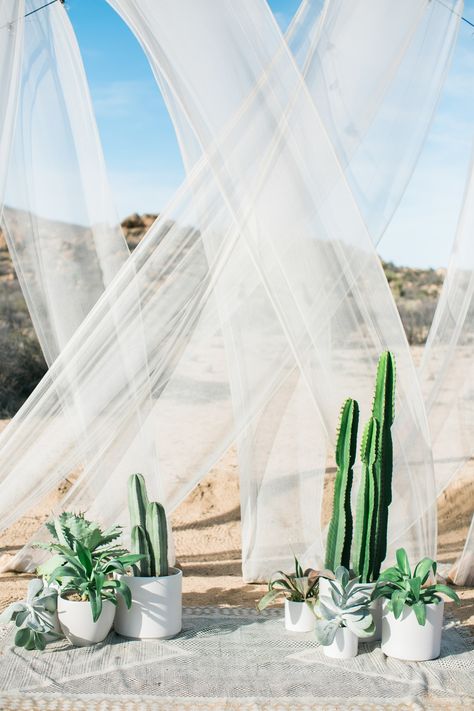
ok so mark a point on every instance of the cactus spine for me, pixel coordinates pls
(363, 555)
(339, 538)
(383, 410)
(149, 534)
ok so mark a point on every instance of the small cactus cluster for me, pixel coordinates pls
(375, 491)
(149, 533)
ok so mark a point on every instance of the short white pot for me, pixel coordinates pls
(406, 639)
(77, 625)
(299, 616)
(375, 607)
(156, 611)
(344, 646)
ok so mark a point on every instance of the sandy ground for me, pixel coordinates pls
(207, 535)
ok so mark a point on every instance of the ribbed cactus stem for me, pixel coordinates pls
(139, 544)
(157, 533)
(137, 500)
(363, 555)
(339, 538)
(383, 410)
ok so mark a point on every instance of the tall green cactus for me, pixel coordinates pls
(157, 533)
(363, 549)
(375, 492)
(137, 500)
(149, 534)
(139, 544)
(338, 545)
(383, 410)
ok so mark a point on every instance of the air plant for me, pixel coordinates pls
(401, 587)
(301, 586)
(35, 617)
(347, 606)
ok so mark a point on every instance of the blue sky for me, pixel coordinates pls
(143, 158)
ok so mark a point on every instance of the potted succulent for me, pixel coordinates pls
(36, 617)
(412, 610)
(156, 588)
(85, 560)
(300, 591)
(365, 543)
(344, 616)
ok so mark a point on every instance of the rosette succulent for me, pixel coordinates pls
(347, 606)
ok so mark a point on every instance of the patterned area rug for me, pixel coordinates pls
(228, 659)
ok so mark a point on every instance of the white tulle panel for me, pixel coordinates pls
(262, 302)
(61, 227)
(375, 72)
(11, 40)
(447, 369)
(277, 171)
(60, 224)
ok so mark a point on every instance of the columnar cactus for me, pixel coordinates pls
(364, 542)
(383, 410)
(338, 545)
(375, 492)
(149, 533)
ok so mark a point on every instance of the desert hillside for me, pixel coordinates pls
(416, 293)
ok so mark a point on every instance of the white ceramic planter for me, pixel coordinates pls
(77, 625)
(344, 646)
(156, 611)
(299, 616)
(406, 639)
(375, 608)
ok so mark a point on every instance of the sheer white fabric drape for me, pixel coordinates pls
(259, 291)
(11, 43)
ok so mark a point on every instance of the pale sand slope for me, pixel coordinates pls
(207, 532)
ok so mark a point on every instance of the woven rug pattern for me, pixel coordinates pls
(228, 658)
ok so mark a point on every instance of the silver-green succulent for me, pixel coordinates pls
(347, 606)
(35, 617)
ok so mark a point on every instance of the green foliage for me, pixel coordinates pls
(149, 531)
(300, 586)
(401, 587)
(35, 617)
(91, 578)
(69, 529)
(347, 606)
(338, 546)
(85, 560)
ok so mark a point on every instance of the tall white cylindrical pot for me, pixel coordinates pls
(406, 639)
(299, 616)
(375, 607)
(344, 646)
(77, 625)
(156, 611)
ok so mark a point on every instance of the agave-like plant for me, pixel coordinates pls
(402, 587)
(348, 606)
(68, 529)
(91, 578)
(35, 617)
(300, 586)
